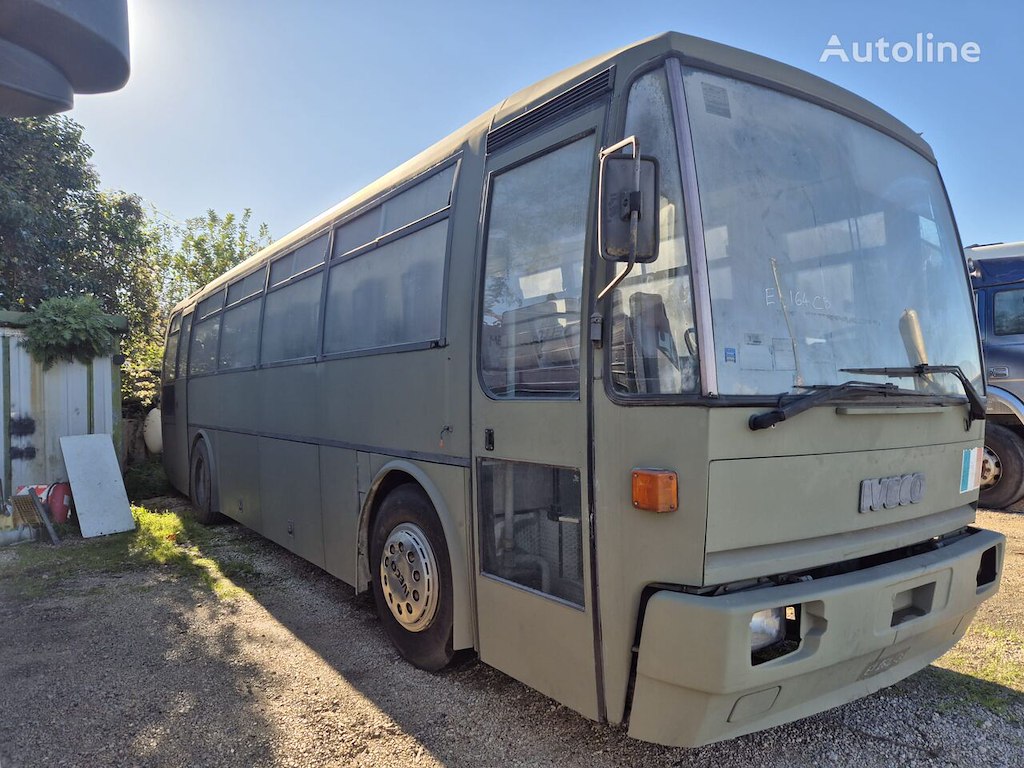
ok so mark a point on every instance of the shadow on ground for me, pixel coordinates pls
(144, 669)
(121, 673)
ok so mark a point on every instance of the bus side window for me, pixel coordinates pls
(239, 335)
(181, 366)
(202, 355)
(171, 350)
(389, 296)
(167, 399)
(290, 320)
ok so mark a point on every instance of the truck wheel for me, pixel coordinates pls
(1002, 468)
(201, 486)
(412, 578)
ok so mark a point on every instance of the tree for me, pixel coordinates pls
(207, 246)
(62, 237)
(46, 183)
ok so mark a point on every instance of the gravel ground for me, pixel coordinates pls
(146, 668)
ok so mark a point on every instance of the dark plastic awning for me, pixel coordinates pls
(52, 49)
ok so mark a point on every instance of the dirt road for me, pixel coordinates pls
(147, 666)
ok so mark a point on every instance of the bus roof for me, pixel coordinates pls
(694, 51)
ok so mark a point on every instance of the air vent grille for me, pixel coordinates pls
(563, 104)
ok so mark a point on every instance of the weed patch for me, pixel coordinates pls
(146, 480)
(163, 539)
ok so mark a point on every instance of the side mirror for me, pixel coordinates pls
(621, 197)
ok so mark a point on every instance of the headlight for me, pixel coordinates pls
(767, 627)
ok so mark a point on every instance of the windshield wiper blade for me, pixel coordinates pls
(976, 406)
(819, 396)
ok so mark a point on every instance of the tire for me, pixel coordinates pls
(1002, 473)
(200, 485)
(412, 580)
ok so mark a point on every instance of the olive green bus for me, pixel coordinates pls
(658, 385)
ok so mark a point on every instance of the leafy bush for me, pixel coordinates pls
(72, 328)
(140, 376)
(147, 480)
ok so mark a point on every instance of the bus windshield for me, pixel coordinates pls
(830, 245)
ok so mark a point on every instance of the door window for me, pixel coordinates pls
(530, 329)
(531, 527)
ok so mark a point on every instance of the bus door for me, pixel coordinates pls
(535, 609)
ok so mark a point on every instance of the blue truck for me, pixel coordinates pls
(997, 273)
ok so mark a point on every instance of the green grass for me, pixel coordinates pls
(162, 539)
(988, 660)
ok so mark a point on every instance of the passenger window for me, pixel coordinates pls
(202, 355)
(1008, 311)
(298, 261)
(531, 528)
(250, 285)
(238, 336)
(426, 197)
(171, 350)
(181, 366)
(210, 304)
(530, 329)
(388, 296)
(290, 320)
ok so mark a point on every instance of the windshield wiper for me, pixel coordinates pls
(976, 406)
(821, 395)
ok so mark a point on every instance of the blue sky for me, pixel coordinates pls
(287, 108)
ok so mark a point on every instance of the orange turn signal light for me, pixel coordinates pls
(656, 490)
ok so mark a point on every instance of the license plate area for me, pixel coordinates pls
(912, 603)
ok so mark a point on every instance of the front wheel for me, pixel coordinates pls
(412, 578)
(1002, 468)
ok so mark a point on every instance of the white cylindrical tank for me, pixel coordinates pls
(152, 432)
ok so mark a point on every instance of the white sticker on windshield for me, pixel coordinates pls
(755, 354)
(716, 100)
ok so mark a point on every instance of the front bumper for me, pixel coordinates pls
(695, 680)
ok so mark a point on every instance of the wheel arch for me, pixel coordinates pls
(1006, 407)
(399, 472)
(203, 435)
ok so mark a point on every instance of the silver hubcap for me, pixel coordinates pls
(991, 469)
(408, 577)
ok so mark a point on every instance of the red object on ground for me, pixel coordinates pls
(59, 501)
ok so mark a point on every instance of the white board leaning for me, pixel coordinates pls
(101, 502)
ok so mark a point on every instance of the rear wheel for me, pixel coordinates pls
(1002, 468)
(412, 581)
(201, 485)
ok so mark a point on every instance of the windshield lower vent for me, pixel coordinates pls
(563, 104)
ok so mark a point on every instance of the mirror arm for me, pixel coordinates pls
(634, 215)
(629, 268)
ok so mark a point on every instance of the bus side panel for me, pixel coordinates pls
(401, 402)
(290, 491)
(636, 548)
(290, 401)
(340, 509)
(237, 456)
(226, 401)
